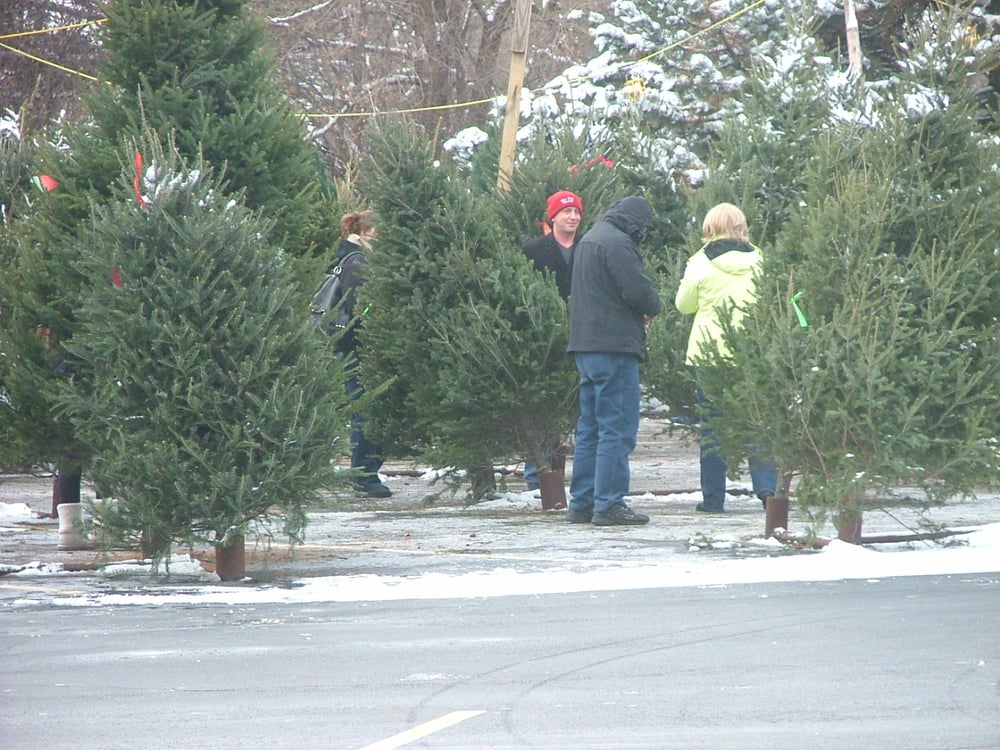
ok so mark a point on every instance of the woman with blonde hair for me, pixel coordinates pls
(719, 282)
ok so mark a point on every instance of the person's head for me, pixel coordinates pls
(725, 221)
(565, 212)
(359, 223)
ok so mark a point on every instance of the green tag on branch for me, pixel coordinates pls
(798, 311)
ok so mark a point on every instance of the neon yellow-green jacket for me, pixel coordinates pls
(719, 280)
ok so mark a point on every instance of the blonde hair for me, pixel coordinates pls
(356, 222)
(725, 221)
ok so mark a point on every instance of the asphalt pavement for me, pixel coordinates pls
(901, 664)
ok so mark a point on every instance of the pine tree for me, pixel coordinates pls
(212, 407)
(757, 164)
(890, 253)
(196, 71)
(549, 160)
(467, 339)
(24, 423)
(193, 73)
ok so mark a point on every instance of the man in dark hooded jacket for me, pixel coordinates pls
(610, 306)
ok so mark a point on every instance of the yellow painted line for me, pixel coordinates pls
(422, 730)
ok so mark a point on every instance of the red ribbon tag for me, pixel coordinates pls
(599, 159)
(47, 183)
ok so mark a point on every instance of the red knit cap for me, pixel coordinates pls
(563, 199)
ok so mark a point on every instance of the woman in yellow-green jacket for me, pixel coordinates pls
(720, 280)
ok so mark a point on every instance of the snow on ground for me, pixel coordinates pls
(426, 542)
(503, 547)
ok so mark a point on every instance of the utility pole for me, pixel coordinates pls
(515, 82)
(854, 67)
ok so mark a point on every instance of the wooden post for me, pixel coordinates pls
(854, 67)
(515, 81)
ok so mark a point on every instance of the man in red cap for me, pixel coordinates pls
(553, 252)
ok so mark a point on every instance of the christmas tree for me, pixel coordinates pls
(466, 339)
(887, 379)
(211, 406)
(192, 73)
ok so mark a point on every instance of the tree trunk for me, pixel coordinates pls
(483, 482)
(55, 496)
(231, 561)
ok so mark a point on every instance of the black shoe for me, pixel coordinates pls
(375, 490)
(619, 515)
(701, 508)
(579, 516)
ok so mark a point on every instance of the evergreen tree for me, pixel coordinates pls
(547, 161)
(467, 339)
(24, 423)
(891, 243)
(670, 63)
(211, 406)
(196, 71)
(188, 70)
(757, 165)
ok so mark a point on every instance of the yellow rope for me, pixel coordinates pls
(434, 108)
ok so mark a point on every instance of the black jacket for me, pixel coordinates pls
(351, 277)
(547, 255)
(611, 291)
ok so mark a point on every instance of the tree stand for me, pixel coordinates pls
(776, 516)
(849, 520)
(551, 481)
(231, 561)
(776, 506)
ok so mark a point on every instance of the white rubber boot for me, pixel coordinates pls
(71, 527)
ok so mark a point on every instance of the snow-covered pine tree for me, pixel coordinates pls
(563, 157)
(757, 164)
(212, 407)
(667, 76)
(469, 339)
(892, 243)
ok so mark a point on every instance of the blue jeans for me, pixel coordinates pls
(605, 431)
(531, 471)
(530, 474)
(365, 454)
(763, 474)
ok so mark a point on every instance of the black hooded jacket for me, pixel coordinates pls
(351, 277)
(611, 292)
